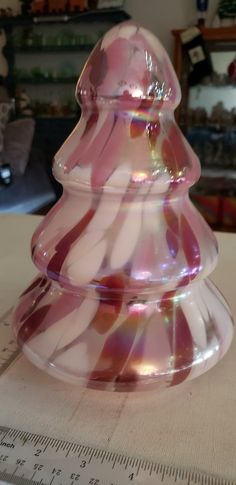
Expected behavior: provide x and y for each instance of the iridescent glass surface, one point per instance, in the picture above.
(123, 301)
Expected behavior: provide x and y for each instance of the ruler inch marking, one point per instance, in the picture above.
(99, 453)
(163, 473)
(96, 454)
(151, 469)
(55, 443)
(46, 444)
(43, 440)
(31, 437)
(103, 456)
(51, 440)
(184, 474)
(18, 435)
(37, 440)
(138, 468)
(123, 460)
(114, 462)
(21, 434)
(11, 432)
(143, 464)
(69, 448)
(118, 459)
(58, 447)
(91, 456)
(64, 445)
(86, 449)
(146, 465)
(131, 462)
(90, 450)
(197, 477)
(74, 448)
(109, 456)
(79, 450)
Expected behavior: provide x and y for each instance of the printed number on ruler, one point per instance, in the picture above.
(8, 347)
(27, 458)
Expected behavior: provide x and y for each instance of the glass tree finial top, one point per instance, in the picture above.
(129, 62)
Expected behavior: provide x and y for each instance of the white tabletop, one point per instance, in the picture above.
(191, 425)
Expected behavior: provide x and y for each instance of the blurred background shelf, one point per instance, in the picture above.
(113, 15)
(53, 49)
(26, 80)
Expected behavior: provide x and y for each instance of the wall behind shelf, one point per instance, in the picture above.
(161, 16)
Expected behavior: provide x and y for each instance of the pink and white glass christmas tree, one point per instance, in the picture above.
(123, 301)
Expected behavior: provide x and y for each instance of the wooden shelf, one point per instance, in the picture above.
(220, 34)
(56, 118)
(53, 49)
(46, 81)
(106, 14)
(218, 172)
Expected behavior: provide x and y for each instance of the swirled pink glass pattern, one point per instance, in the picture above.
(123, 301)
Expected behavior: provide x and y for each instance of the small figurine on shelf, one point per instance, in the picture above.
(74, 5)
(56, 6)
(6, 12)
(38, 6)
(10, 8)
(202, 6)
(23, 103)
(54, 109)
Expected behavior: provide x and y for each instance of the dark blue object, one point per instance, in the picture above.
(202, 5)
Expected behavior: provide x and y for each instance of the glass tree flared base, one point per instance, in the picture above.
(130, 344)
